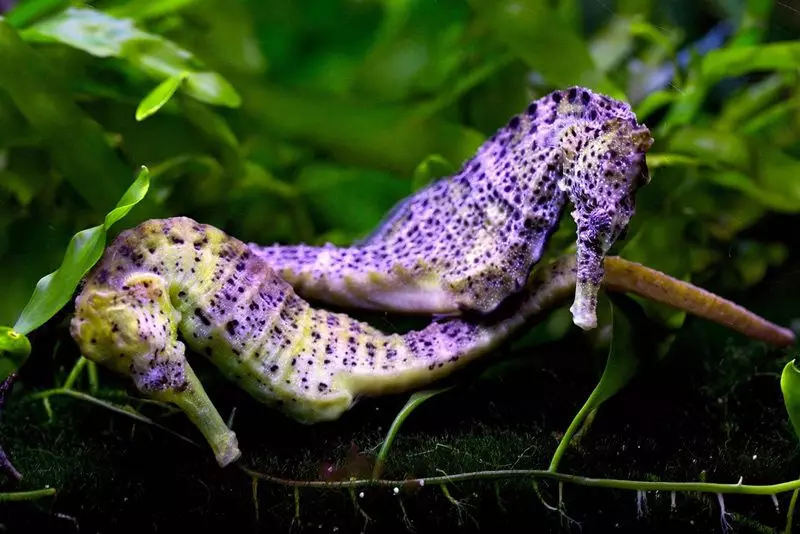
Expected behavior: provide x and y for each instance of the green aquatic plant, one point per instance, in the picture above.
(51, 294)
(306, 107)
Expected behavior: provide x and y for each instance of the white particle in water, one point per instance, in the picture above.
(755, 456)
(421, 482)
(396, 490)
(361, 495)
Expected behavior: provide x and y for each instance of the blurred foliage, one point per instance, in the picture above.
(287, 121)
(282, 122)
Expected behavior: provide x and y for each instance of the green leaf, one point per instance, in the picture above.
(413, 402)
(653, 102)
(431, 168)
(729, 63)
(148, 9)
(621, 366)
(103, 35)
(212, 88)
(76, 142)
(24, 12)
(756, 168)
(790, 387)
(715, 147)
(749, 102)
(389, 138)
(159, 96)
(778, 189)
(329, 191)
(84, 250)
(14, 350)
(534, 31)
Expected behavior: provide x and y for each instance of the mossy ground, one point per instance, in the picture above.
(713, 406)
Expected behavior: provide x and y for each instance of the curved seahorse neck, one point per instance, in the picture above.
(584, 148)
(469, 241)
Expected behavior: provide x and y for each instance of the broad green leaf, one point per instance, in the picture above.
(784, 196)
(159, 96)
(729, 63)
(386, 138)
(790, 387)
(761, 171)
(612, 44)
(28, 10)
(84, 250)
(148, 9)
(14, 350)
(534, 31)
(712, 147)
(76, 142)
(431, 168)
(337, 196)
(653, 102)
(212, 88)
(753, 98)
(103, 35)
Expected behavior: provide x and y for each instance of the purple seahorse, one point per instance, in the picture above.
(468, 241)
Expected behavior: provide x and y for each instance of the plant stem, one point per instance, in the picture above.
(17, 496)
(633, 485)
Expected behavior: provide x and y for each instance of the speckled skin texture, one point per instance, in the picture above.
(176, 276)
(468, 241)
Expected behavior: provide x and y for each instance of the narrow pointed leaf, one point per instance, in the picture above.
(84, 250)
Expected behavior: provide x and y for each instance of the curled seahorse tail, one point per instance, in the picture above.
(436, 349)
(434, 352)
(125, 320)
(627, 276)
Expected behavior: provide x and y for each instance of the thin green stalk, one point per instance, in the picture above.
(109, 406)
(75, 372)
(790, 512)
(415, 400)
(18, 496)
(633, 485)
(574, 426)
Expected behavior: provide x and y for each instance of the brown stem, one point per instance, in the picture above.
(627, 276)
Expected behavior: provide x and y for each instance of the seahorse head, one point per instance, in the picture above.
(131, 329)
(603, 167)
